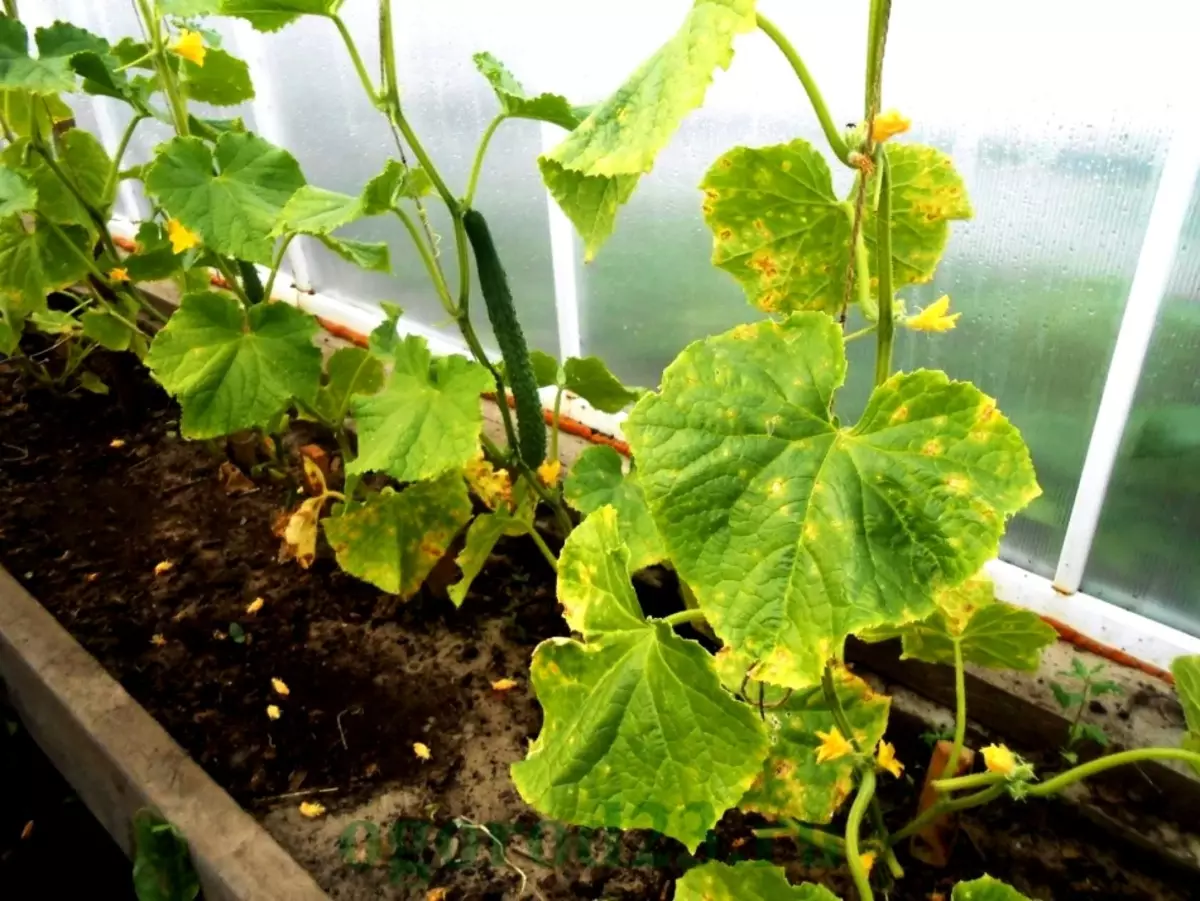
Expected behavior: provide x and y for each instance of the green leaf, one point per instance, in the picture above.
(23, 109)
(485, 531)
(10, 334)
(384, 338)
(17, 195)
(154, 258)
(778, 228)
(986, 889)
(1066, 699)
(516, 103)
(595, 169)
(106, 330)
(271, 15)
(791, 782)
(212, 129)
(53, 322)
(593, 578)
(350, 371)
(747, 880)
(187, 8)
(395, 182)
(1186, 671)
(316, 211)
(36, 261)
(232, 369)
(370, 255)
(545, 368)
(89, 381)
(62, 39)
(83, 158)
(596, 480)
(46, 75)
(590, 378)
(927, 193)
(223, 80)
(795, 531)
(234, 210)
(426, 421)
(162, 868)
(395, 538)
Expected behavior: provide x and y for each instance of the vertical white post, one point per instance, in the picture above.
(269, 122)
(1154, 265)
(562, 256)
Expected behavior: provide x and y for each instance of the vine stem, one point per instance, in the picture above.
(153, 22)
(477, 165)
(356, 59)
(683, 616)
(10, 7)
(818, 838)
(276, 264)
(861, 333)
(231, 280)
(961, 783)
(960, 711)
(544, 548)
(1100, 764)
(885, 329)
(944, 807)
(558, 396)
(110, 183)
(862, 800)
(832, 135)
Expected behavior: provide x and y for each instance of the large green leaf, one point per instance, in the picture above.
(351, 371)
(396, 538)
(795, 531)
(1186, 671)
(223, 80)
(516, 103)
(426, 421)
(597, 479)
(233, 369)
(747, 880)
(485, 531)
(316, 211)
(792, 783)
(778, 228)
(271, 15)
(49, 74)
(17, 195)
(234, 208)
(986, 889)
(35, 260)
(927, 193)
(595, 169)
(593, 578)
(106, 330)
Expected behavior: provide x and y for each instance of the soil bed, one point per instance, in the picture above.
(83, 524)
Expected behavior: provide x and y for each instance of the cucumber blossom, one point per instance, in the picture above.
(531, 426)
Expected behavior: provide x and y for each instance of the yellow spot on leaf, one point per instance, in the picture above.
(255, 606)
(959, 484)
(776, 488)
(280, 687)
(421, 750)
(833, 745)
(932, 448)
(273, 712)
(189, 45)
(900, 414)
(161, 569)
(182, 238)
(933, 318)
(494, 486)
(312, 809)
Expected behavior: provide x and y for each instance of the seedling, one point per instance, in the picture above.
(1076, 702)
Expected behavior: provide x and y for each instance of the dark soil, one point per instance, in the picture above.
(83, 524)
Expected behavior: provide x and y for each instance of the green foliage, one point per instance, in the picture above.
(394, 539)
(485, 531)
(516, 103)
(591, 379)
(223, 80)
(49, 73)
(106, 330)
(795, 531)
(426, 421)
(234, 208)
(638, 731)
(748, 880)
(986, 889)
(1077, 701)
(82, 158)
(595, 169)
(1186, 671)
(351, 371)
(233, 369)
(597, 480)
(36, 259)
(17, 195)
(162, 867)
(271, 15)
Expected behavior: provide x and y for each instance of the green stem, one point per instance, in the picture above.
(544, 548)
(881, 11)
(10, 8)
(558, 396)
(836, 143)
(683, 616)
(275, 264)
(942, 808)
(866, 791)
(960, 712)
(477, 166)
(231, 280)
(861, 333)
(162, 65)
(431, 266)
(1099, 765)
(818, 838)
(356, 59)
(962, 783)
(883, 239)
(110, 184)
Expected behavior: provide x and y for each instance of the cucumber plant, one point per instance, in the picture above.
(790, 528)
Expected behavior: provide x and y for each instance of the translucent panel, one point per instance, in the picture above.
(1061, 156)
(1144, 556)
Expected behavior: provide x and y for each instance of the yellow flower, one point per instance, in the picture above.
(190, 45)
(1000, 759)
(868, 860)
(182, 238)
(421, 750)
(255, 606)
(504, 684)
(280, 687)
(158, 640)
(887, 759)
(273, 711)
(833, 745)
(311, 809)
(548, 472)
(889, 125)
(933, 318)
(117, 274)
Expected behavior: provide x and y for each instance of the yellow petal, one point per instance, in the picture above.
(182, 237)
(999, 759)
(421, 750)
(273, 711)
(504, 684)
(117, 274)
(117, 443)
(549, 471)
(164, 567)
(886, 759)
(189, 45)
(888, 125)
(255, 606)
(311, 809)
(868, 860)
(833, 745)
(933, 318)
(158, 640)
(280, 687)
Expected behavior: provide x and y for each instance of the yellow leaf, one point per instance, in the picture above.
(493, 486)
(117, 443)
(189, 45)
(158, 640)
(273, 711)
(933, 318)
(314, 475)
(255, 606)
(833, 745)
(117, 274)
(280, 687)
(889, 125)
(300, 533)
(504, 684)
(548, 472)
(421, 750)
(182, 238)
(887, 759)
(163, 568)
(312, 809)
(999, 759)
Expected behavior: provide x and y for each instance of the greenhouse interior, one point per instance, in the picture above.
(689, 449)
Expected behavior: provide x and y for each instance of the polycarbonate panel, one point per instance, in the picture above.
(1144, 554)
(1061, 153)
